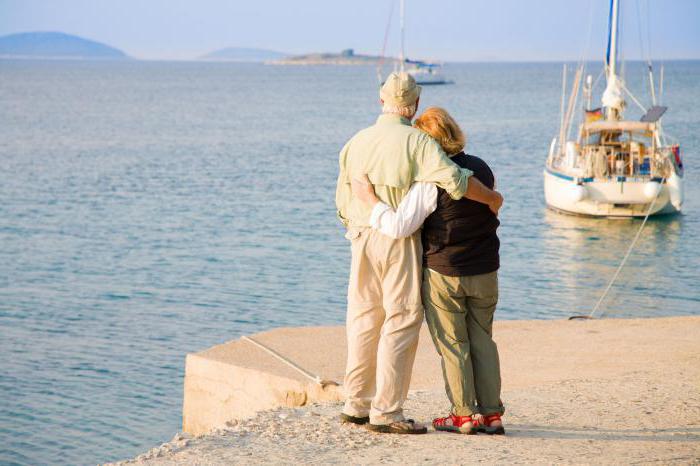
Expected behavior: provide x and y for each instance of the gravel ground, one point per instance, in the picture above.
(642, 417)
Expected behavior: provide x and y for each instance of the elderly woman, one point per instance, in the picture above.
(460, 279)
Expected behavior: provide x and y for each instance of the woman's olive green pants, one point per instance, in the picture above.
(459, 312)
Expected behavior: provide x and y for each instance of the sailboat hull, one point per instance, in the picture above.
(434, 83)
(611, 197)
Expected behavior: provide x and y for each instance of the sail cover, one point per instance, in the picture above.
(612, 97)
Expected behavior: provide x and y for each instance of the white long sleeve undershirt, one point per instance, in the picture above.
(419, 202)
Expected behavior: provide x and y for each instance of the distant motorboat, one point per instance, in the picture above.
(615, 167)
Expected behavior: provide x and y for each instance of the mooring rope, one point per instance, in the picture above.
(290, 363)
(627, 254)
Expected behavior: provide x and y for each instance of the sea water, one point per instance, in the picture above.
(151, 209)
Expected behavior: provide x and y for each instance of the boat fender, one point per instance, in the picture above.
(674, 184)
(577, 193)
(651, 189)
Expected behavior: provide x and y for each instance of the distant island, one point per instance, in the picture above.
(242, 54)
(55, 45)
(346, 57)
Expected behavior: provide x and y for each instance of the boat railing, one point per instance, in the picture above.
(616, 159)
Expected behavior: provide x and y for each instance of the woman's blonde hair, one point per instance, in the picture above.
(443, 128)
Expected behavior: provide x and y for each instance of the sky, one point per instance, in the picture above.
(449, 30)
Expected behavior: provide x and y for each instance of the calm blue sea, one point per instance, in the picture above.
(151, 209)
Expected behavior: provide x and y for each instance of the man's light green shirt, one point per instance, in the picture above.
(394, 155)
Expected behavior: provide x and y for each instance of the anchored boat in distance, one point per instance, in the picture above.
(615, 167)
(424, 72)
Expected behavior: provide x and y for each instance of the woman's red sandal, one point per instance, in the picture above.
(457, 424)
(484, 425)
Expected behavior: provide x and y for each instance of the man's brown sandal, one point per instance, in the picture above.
(408, 426)
(347, 419)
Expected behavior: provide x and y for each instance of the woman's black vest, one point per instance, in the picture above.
(459, 238)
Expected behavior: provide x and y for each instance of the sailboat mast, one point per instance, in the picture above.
(402, 57)
(612, 99)
(612, 51)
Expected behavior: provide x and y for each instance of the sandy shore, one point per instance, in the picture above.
(616, 391)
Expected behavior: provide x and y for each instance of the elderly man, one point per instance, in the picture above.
(384, 293)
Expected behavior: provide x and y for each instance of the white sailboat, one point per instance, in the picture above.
(615, 167)
(424, 72)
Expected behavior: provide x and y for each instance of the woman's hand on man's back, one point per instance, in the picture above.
(363, 189)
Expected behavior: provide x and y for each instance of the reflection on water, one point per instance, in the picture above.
(591, 249)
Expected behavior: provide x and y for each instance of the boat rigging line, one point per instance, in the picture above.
(380, 63)
(624, 259)
(402, 56)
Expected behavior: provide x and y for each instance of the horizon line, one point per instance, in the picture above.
(201, 56)
(268, 62)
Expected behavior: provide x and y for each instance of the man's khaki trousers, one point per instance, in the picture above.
(459, 312)
(383, 320)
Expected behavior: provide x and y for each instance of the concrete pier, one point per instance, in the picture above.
(236, 380)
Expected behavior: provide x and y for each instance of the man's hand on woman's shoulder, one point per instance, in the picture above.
(496, 202)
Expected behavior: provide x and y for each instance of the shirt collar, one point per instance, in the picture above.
(392, 118)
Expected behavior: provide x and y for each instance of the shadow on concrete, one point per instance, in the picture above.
(669, 434)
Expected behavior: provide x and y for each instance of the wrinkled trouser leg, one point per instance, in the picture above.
(459, 312)
(363, 330)
(397, 352)
(384, 318)
(364, 320)
(482, 297)
(445, 312)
